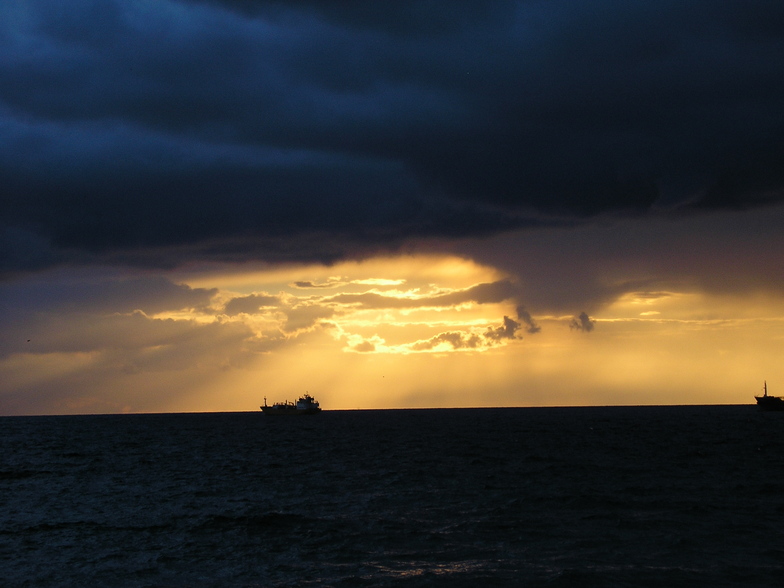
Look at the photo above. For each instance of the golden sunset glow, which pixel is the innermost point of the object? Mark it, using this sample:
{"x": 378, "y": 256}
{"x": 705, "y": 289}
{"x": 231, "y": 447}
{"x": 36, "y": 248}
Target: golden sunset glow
{"x": 390, "y": 332}
{"x": 362, "y": 203}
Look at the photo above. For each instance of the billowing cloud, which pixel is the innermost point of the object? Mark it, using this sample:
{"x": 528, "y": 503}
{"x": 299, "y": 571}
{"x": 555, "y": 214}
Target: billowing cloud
{"x": 582, "y": 323}
{"x": 455, "y": 340}
{"x": 458, "y": 340}
{"x": 507, "y": 331}
{"x": 528, "y": 320}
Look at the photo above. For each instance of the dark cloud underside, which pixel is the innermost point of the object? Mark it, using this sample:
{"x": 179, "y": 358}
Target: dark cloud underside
{"x": 247, "y": 129}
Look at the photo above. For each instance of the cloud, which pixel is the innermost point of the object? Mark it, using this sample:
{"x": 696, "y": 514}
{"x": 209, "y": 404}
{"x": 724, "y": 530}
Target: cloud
{"x": 486, "y": 293}
{"x": 330, "y": 283}
{"x": 582, "y": 323}
{"x": 100, "y": 292}
{"x": 336, "y": 282}
{"x": 250, "y": 304}
{"x": 588, "y": 267}
{"x": 364, "y": 347}
{"x": 404, "y": 18}
{"x": 305, "y": 316}
{"x": 467, "y": 340}
{"x": 507, "y": 331}
{"x": 455, "y": 340}
{"x": 300, "y": 131}
{"x": 89, "y": 312}
{"x": 23, "y": 250}
{"x": 525, "y": 316}
{"x": 128, "y": 343}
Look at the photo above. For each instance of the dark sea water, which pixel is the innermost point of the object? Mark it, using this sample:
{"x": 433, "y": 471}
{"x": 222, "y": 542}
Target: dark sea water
{"x": 643, "y": 496}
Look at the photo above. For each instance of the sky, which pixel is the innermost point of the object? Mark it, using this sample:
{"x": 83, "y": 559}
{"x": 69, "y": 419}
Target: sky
{"x": 205, "y": 203}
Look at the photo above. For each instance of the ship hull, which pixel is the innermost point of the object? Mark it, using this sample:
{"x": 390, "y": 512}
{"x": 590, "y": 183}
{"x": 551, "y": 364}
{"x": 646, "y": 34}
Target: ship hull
{"x": 289, "y": 411}
{"x": 772, "y": 403}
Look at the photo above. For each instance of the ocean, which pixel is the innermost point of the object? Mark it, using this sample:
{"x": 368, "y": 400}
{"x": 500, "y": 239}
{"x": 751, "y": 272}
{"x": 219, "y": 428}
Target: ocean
{"x": 610, "y": 496}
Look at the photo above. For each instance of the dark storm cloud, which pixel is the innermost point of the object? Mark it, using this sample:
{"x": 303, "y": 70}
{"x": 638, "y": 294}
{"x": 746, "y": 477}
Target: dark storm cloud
{"x": 305, "y": 130}
{"x": 563, "y": 271}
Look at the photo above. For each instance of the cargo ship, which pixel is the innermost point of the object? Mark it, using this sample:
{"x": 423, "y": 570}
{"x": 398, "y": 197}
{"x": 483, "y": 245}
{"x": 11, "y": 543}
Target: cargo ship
{"x": 766, "y": 402}
{"x": 306, "y": 404}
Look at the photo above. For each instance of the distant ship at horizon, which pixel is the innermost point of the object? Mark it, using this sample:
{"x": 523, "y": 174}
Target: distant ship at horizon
{"x": 306, "y": 404}
{"x": 766, "y": 402}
